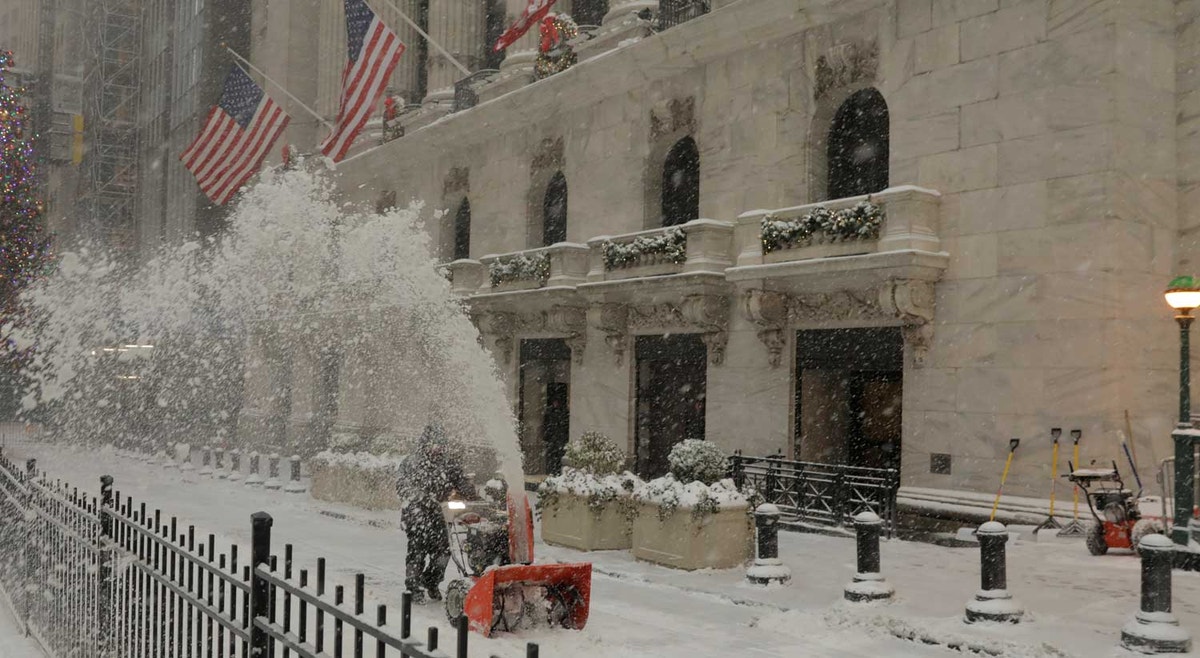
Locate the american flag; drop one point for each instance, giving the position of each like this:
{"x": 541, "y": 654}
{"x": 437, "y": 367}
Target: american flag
{"x": 374, "y": 50}
{"x": 235, "y": 138}
{"x": 535, "y": 11}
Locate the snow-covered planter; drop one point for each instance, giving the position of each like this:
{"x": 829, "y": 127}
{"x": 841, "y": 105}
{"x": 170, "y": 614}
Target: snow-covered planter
{"x": 692, "y": 526}
{"x": 667, "y": 247}
{"x": 823, "y": 226}
{"x": 360, "y": 479}
{"x": 587, "y": 512}
{"x": 533, "y": 269}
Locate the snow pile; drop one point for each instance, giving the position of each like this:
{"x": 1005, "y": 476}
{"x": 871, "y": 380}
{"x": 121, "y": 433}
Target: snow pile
{"x": 669, "y": 494}
{"x": 599, "y": 491}
{"x": 360, "y": 461}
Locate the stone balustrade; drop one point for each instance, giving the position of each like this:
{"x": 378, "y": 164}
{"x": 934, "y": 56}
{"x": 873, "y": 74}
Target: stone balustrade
{"x": 911, "y": 216}
{"x": 701, "y": 245}
{"x": 565, "y": 264}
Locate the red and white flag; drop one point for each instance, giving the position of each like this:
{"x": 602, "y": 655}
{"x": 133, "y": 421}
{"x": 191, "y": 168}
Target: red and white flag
{"x": 235, "y": 138}
{"x": 374, "y": 51}
{"x": 535, "y": 11}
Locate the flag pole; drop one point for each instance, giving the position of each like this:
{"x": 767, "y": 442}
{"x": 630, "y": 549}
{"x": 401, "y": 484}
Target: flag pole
{"x": 429, "y": 39}
{"x": 242, "y": 60}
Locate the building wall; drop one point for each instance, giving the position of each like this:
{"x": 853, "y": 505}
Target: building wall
{"x": 1050, "y": 131}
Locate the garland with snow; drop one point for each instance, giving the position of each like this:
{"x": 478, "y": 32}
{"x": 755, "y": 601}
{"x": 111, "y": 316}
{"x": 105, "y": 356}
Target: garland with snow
{"x": 860, "y": 222}
{"x": 520, "y": 267}
{"x": 672, "y": 244}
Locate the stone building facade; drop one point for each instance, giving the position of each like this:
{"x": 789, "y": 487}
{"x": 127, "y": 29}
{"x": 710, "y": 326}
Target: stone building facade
{"x": 1032, "y": 163}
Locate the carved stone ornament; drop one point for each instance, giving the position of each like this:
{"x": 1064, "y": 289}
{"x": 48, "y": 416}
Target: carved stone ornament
{"x": 846, "y": 64}
{"x": 673, "y": 117}
{"x": 457, "y": 181}
{"x": 571, "y": 321}
{"x": 769, "y": 311}
{"x": 839, "y": 305}
{"x": 912, "y": 302}
{"x": 614, "y": 322}
{"x": 706, "y": 314}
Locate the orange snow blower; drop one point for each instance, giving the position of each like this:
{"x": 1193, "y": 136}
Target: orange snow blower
{"x": 500, "y": 589}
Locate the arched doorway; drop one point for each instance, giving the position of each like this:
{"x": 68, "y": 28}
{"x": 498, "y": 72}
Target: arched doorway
{"x": 554, "y": 211}
{"x": 681, "y": 183}
{"x": 858, "y": 146}
{"x": 462, "y": 230}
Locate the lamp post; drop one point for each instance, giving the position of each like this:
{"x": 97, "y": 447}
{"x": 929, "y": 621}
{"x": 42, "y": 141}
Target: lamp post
{"x": 1183, "y": 295}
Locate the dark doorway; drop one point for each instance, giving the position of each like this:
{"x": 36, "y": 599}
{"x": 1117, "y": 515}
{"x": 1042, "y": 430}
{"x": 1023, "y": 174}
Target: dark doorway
{"x": 554, "y": 211}
{"x": 462, "y": 230}
{"x": 681, "y": 183}
{"x": 543, "y": 404}
{"x": 672, "y": 382}
{"x": 589, "y": 12}
{"x": 849, "y": 388}
{"x": 858, "y": 146}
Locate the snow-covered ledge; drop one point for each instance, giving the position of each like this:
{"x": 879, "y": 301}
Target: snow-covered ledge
{"x": 911, "y": 218}
{"x": 560, "y": 264}
{"x": 466, "y": 276}
{"x": 701, "y": 245}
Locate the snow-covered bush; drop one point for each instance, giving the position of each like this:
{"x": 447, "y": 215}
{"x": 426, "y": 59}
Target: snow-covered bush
{"x": 596, "y": 454}
{"x": 519, "y": 267}
{"x": 669, "y": 494}
{"x": 672, "y": 244}
{"x": 598, "y": 491}
{"x": 694, "y": 460}
{"x": 860, "y": 222}
{"x": 360, "y": 461}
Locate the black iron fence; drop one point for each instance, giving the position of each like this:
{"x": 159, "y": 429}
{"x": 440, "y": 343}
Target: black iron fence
{"x": 104, "y": 577}
{"x": 466, "y": 94}
{"x": 820, "y": 494}
{"x": 674, "y": 12}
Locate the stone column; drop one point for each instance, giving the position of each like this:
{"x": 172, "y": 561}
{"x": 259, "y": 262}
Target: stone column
{"x": 520, "y": 55}
{"x": 406, "y": 78}
{"x": 459, "y": 26}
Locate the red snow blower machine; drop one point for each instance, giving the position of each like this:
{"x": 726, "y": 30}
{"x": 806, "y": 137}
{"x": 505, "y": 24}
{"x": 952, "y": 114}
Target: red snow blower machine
{"x": 1120, "y": 519}
{"x": 500, "y": 588}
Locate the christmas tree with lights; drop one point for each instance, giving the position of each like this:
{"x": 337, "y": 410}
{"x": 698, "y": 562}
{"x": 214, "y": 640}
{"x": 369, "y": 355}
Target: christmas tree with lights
{"x": 24, "y": 243}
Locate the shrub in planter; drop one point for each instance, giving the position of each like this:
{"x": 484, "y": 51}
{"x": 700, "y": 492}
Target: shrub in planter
{"x": 693, "y": 460}
{"x": 595, "y": 453}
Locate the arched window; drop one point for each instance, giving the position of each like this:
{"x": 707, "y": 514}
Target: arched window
{"x": 554, "y": 211}
{"x": 681, "y": 183}
{"x": 462, "y": 230}
{"x": 858, "y": 146}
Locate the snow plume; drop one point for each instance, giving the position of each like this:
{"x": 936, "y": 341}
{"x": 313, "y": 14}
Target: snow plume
{"x": 295, "y": 279}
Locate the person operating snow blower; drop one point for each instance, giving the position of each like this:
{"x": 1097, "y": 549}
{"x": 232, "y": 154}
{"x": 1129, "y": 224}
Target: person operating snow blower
{"x": 430, "y": 476}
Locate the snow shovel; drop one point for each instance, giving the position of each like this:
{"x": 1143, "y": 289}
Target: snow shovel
{"x": 1074, "y": 528}
{"x": 1012, "y": 449}
{"x": 1051, "y": 523}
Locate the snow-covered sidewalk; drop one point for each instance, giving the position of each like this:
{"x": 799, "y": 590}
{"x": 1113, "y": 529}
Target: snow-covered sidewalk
{"x": 1075, "y": 603}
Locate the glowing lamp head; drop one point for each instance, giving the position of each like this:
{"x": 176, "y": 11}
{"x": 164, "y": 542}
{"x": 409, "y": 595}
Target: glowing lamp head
{"x": 1183, "y": 294}
{"x": 456, "y": 504}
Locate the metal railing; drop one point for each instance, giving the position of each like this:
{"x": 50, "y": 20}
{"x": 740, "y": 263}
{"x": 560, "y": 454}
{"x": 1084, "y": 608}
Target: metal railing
{"x": 107, "y": 578}
{"x": 675, "y": 12}
{"x": 465, "y": 94}
{"x": 819, "y": 494}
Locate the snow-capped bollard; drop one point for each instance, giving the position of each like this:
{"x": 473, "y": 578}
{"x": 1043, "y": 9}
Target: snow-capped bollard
{"x": 869, "y": 584}
{"x": 767, "y": 567}
{"x": 206, "y": 462}
{"x": 183, "y": 452}
{"x": 294, "y": 485}
{"x": 273, "y": 478}
{"x": 255, "y": 478}
{"x": 1154, "y": 629}
{"x": 219, "y": 466}
{"x": 992, "y": 601}
{"x": 235, "y": 465}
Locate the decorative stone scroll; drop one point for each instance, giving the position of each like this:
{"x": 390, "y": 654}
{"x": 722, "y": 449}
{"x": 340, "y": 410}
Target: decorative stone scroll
{"x": 846, "y": 64}
{"x": 501, "y": 329}
{"x": 705, "y": 314}
{"x": 909, "y": 302}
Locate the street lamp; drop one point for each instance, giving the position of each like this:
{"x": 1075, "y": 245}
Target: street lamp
{"x": 1183, "y": 295}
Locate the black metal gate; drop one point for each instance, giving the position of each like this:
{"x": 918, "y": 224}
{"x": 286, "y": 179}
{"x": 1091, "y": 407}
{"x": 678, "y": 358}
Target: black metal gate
{"x": 819, "y": 494}
{"x": 674, "y": 12}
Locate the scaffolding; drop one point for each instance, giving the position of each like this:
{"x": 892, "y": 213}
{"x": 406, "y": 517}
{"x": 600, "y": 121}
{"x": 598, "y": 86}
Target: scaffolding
{"x": 107, "y": 203}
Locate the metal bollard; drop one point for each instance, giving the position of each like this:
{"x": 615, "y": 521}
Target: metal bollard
{"x": 183, "y": 452}
{"x": 868, "y": 584}
{"x": 294, "y": 484}
{"x": 255, "y": 478}
{"x": 767, "y": 567}
{"x": 235, "y": 465}
{"x": 206, "y": 462}
{"x": 1154, "y": 629}
{"x": 273, "y": 477}
{"x": 993, "y": 602}
{"x": 219, "y": 466}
